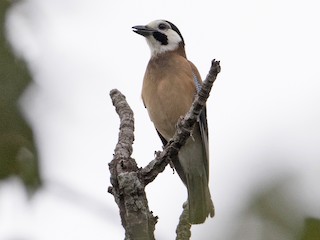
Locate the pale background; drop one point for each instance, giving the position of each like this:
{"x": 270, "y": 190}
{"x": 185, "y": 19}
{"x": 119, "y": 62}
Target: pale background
{"x": 263, "y": 112}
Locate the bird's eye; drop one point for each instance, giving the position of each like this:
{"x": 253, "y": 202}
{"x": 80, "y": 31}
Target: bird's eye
{"x": 162, "y": 26}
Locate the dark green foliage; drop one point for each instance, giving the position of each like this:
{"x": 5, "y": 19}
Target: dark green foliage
{"x": 18, "y": 155}
{"x": 311, "y": 230}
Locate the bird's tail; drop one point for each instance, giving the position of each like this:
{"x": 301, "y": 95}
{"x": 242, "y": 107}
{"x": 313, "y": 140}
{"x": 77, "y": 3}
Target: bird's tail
{"x": 199, "y": 199}
{"x": 194, "y": 161}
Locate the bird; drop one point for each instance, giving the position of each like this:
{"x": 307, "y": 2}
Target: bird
{"x": 169, "y": 87}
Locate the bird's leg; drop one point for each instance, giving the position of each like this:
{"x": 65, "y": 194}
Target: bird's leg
{"x": 157, "y": 154}
{"x": 172, "y": 166}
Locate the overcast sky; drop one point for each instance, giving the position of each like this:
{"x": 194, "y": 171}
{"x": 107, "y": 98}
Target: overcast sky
{"x": 263, "y": 112}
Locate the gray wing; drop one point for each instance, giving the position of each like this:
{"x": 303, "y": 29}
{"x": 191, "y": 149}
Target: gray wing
{"x": 203, "y": 125}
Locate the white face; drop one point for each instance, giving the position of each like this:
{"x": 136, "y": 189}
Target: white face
{"x": 169, "y": 41}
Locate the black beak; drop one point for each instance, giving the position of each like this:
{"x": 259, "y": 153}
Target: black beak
{"x": 143, "y": 30}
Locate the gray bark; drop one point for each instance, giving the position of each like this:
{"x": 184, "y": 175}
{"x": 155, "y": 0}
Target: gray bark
{"x": 129, "y": 182}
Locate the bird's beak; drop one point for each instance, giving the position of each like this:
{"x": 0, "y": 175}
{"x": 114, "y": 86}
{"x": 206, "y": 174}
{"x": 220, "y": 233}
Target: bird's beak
{"x": 143, "y": 30}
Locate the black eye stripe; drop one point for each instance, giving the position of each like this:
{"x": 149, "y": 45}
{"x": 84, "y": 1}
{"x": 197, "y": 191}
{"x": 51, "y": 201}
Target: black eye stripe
{"x": 161, "y": 37}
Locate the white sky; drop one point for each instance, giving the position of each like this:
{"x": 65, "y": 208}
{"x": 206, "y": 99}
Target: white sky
{"x": 263, "y": 112}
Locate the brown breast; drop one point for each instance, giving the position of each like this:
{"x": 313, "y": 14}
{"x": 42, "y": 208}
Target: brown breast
{"x": 168, "y": 91}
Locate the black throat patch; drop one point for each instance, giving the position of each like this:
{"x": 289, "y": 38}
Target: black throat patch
{"x": 161, "y": 37}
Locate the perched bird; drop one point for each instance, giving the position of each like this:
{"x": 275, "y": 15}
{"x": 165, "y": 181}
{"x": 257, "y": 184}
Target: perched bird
{"x": 169, "y": 87}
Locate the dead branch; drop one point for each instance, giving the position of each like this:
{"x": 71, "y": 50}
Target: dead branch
{"x": 128, "y": 182}
{"x": 183, "y": 229}
{"x": 127, "y": 188}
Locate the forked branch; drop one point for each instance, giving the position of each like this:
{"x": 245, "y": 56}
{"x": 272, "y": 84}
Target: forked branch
{"x": 129, "y": 182}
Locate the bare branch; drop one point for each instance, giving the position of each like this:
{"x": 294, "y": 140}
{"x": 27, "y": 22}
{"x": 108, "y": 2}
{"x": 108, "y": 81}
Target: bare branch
{"x": 128, "y": 181}
{"x": 183, "y": 228}
{"x": 128, "y": 189}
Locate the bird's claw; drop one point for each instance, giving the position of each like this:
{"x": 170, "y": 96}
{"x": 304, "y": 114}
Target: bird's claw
{"x": 215, "y": 66}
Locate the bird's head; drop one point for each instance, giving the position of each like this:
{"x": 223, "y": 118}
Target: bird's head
{"x": 161, "y": 35}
